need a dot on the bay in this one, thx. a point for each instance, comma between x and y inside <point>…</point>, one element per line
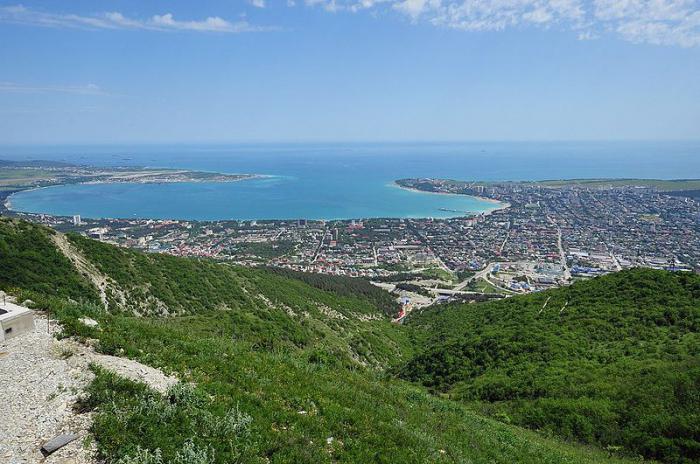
<point>335,181</point>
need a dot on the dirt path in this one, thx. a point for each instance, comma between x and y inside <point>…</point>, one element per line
<point>41,379</point>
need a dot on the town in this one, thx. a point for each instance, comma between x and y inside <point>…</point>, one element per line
<point>543,236</point>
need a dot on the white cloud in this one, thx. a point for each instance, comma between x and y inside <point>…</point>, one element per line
<point>412,8</point>
<point>212,24</point>
<point>330,5</point>
<point>88,89</point>
<point>538,15</point>
<point>114,20</point>
<point>662,22</point>
<point>489,15</point>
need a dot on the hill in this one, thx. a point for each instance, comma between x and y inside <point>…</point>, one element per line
<point>613,361</point>
<point>30,260</point>
<point>272,369</point>
<point>264,308</point>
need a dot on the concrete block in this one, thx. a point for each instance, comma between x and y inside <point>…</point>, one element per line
<point>57,443</point>
<point>15,320</point>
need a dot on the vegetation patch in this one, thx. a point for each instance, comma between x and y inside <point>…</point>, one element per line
<point>30,261</point>
<point>613,361</point>
<point>346,287</point>
<point>282,406</point>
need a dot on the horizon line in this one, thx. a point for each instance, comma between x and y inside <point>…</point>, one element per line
<point>341,141</point>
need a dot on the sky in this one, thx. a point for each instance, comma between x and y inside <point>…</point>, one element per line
<point>111,72</point>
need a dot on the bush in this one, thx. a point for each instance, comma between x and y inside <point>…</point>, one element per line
<point>619,367</point>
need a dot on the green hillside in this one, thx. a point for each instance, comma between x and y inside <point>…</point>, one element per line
<point>613,361</point>
<point>29,260</point>
<point>288,406</point>
<point>260,308</point>
<point>274,369</point>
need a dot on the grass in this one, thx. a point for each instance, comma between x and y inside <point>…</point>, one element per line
<point>484,286</point>
<point>296,406</point>
<point>29,260</point>
<point>17,177</point>
<point>438,274</point>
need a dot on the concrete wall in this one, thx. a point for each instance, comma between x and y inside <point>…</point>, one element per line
<point>16,323</point>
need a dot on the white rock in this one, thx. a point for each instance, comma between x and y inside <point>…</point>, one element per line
<point>88,322</point>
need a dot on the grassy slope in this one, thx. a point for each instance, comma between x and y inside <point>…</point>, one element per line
<point>30,261</point>
<point>618,366</point>
<point>266,309</point>
<point>271,385</point>
<point>346,286</point>
<point>303,408</point>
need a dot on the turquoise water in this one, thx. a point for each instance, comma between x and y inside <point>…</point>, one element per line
<point>274,198</point>
<point>335,181</point>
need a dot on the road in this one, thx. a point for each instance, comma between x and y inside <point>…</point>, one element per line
<point>503,245</point>
<point>320,245</point>
<point>562,255</point>
<point>478,275</point>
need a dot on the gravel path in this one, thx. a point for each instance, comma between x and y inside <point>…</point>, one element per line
<point>41,379</point>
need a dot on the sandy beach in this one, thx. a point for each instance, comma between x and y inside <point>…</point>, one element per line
<point>501,205</point>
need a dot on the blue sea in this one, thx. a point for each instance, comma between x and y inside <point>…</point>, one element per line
<point>335,181</point>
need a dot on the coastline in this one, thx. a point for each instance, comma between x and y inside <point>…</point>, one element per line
<point>490,204</point>
<point>242,177</point>
<point>7,204</point>
<point>501,205</point>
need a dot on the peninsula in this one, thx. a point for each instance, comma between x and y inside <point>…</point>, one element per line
<point>16,176</point>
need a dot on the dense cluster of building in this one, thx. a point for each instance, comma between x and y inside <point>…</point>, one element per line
<point>543,236</point>
<point>599,228</point>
